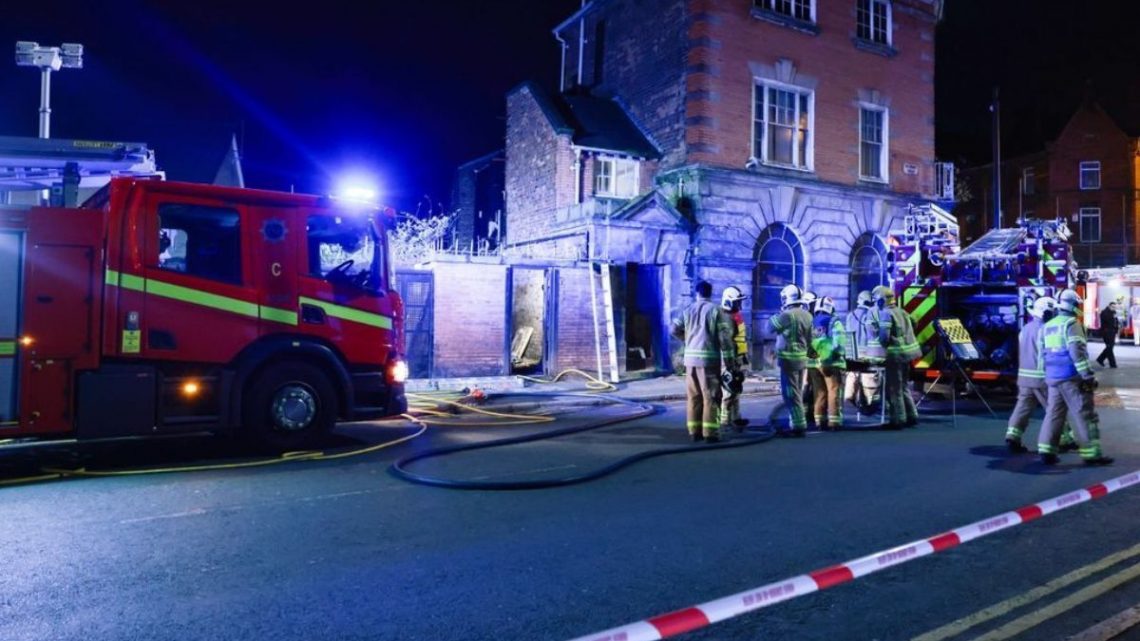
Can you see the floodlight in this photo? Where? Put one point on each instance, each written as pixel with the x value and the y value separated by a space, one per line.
pixel 69 55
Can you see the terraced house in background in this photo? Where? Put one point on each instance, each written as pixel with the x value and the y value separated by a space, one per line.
pixel 747 142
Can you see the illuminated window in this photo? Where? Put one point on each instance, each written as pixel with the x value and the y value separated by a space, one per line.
pixel 782 126
pixel 873 21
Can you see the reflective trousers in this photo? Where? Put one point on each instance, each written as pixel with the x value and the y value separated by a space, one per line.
pixel 791 390
pixel 1028 400
pixel 862 389
pixel 702 387
pixel 1066 397
pixel 900 405
pixel 827 394
pixel 729 405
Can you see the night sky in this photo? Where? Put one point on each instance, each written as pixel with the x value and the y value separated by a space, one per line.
pixel 407 91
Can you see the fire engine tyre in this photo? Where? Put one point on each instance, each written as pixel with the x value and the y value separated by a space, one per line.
pixel 289 407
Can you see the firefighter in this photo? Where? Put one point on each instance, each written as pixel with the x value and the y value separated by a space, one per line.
pixel 861 387
pixel 731 301
pixel 1071 383
pixel 1031 388
pixel 707 334
pixel 792 327
pixel 828 339
pixel 811 369
pixel 896 333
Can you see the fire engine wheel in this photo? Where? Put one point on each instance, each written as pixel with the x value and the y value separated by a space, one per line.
pixel 290 406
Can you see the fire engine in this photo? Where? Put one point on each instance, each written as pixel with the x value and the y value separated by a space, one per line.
pixel 989 286
pixel 163 307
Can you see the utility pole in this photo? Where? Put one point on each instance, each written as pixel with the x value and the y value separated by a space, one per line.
pixel 995 108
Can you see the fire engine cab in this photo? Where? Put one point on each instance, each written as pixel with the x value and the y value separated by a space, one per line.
pixel 163 307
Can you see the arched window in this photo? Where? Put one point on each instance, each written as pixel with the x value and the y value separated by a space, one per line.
pixel 868 266
pixel 779 262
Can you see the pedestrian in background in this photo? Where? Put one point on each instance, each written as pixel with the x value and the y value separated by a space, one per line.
pixel 792 327
pixel 731 303
pixel 707 334
pixel 1071 383
pixel 1109 328
pixel 1134 319
pixel 828 340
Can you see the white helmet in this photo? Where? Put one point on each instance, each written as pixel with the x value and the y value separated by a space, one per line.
pixel 864 299
pixel 825 305
pixel 790 295
pixel 731 298
pixel 808 300
pixel 1042 306
pixel 1070 302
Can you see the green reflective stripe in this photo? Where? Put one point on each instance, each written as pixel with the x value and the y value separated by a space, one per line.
pixel 925 306
pixel 127 281
pixel 1090 452
pixel 775 320
pixel 1013 432
pixel 701 352
pixel 205 299
pixel 7 348
pixel 350 314
pixel 1046 448
pixel 278 315
pixel 1031 373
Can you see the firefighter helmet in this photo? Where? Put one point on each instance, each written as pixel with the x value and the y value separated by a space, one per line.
pixel 1042 306
pixel 864 299
pixel 825 305
pixel 790 295
pixel 882 295
pixel 809 301
pixel 1070 302
pixel 731 298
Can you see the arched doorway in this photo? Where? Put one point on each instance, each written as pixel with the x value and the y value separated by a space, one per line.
pixel 868 266
pixel 779 260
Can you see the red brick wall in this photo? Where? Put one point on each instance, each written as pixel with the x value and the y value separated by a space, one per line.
pixel 540 174
pixel 725 37
pixel 470 320
pixel 574 331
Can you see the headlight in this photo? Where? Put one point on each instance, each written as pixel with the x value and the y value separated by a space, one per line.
pixel 397 371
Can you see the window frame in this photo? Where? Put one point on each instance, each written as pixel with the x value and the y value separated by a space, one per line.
pixel 236 274
pixel 613 163
pixel 889 28
pixel 884 144
pixel 769 6
pixel 763 85
pixel 1089 165
pixel 1090 213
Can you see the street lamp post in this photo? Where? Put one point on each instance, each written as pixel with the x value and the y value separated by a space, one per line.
pixel 69 55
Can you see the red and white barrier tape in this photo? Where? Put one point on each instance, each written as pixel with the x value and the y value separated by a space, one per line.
pixel 699 616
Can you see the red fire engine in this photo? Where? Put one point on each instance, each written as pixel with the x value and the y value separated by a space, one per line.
pixel 988 286
pixel 163 307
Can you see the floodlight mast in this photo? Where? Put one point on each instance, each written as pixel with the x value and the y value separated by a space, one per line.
pixel 69 55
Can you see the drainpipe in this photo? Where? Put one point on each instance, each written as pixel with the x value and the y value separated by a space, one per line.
pixel 562 67
pixel 581 43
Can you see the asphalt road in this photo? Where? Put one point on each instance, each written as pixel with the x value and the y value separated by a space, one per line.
pixel 344 550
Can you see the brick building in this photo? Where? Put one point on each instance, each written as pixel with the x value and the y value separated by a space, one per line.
pixel 1089 175
pixel 747 142
pixel 477 201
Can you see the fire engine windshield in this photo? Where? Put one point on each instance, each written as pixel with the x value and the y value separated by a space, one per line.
pixel 345 249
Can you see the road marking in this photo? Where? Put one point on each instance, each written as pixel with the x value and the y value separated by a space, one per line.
pixel 1033 619
pixel 994 611
pixel 1111 628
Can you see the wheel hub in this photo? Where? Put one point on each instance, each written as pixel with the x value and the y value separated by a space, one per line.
pixel 294 407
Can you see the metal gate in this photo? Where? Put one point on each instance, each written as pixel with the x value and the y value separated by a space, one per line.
pixel 11 248
pixel 417 291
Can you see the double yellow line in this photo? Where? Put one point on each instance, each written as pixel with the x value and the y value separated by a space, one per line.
pixel 1054 609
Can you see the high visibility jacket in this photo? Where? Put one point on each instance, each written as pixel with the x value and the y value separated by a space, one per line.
pixel 1030 359
pixel 896 333
pixel 828 339
pixel 706 330
pixel 1066 349
pixel 739 336
pixel 793 336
